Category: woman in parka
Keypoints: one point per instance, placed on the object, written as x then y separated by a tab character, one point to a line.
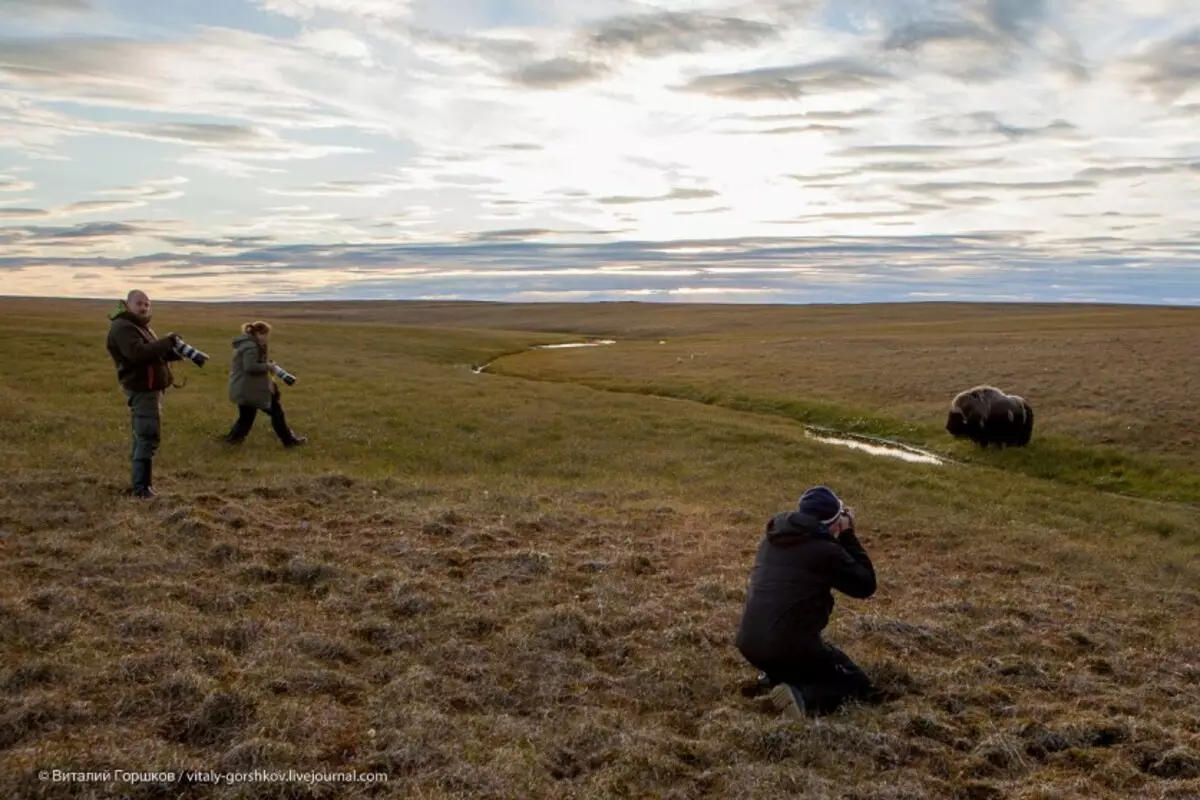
251	388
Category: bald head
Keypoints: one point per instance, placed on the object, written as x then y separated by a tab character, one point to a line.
138	302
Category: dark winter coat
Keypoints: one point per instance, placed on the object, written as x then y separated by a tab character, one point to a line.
140	357
790	600
250	381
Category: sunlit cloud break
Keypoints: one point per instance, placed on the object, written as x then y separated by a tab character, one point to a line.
670	150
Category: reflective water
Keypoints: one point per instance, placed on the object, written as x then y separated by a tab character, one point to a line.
903	452
593	343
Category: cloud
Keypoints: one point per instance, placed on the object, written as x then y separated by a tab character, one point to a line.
11	184
505	265
557	73
226	147
337	43
595	49
503	125
988	122
791	129
43	7
983	40
938	187
157	189
369	9
218	243
221	72
96	230
904	150
197	132
915	35
852	215
342	188
690	194
927	166
132	197
1172	67
96	206
668	32
773	83
814	116
1136	170
715	210
527	234
674	194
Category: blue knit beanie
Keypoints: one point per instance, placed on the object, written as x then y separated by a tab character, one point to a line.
822	503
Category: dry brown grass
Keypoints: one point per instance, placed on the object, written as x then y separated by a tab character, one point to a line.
537	597
578	645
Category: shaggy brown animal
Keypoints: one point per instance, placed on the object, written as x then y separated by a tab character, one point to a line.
986	415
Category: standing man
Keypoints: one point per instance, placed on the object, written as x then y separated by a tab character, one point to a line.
141	361
805	554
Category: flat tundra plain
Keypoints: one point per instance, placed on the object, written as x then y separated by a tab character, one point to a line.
525	582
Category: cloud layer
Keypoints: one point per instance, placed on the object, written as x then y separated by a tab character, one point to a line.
783	150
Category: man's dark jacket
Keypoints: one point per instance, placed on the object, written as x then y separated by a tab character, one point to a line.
140	357
790	599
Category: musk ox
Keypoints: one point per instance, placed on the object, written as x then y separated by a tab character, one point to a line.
988	416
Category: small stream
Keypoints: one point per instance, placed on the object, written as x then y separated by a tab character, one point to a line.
867	444
876	447
590	343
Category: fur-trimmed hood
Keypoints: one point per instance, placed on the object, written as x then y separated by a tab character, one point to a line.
122	312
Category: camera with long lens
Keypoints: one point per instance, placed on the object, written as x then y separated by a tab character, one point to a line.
283	374
185	350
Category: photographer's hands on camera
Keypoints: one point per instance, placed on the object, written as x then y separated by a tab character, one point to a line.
845	523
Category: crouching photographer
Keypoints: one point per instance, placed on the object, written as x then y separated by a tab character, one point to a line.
251	388
142	360
804	554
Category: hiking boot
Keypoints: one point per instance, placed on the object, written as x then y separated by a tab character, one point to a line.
789	700
143	479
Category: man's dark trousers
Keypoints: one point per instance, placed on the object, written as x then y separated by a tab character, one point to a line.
145	411
825	675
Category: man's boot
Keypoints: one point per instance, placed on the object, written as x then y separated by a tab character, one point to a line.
143	478
788	699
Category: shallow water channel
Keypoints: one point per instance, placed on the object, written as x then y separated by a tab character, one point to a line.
591	343
866	444
877	447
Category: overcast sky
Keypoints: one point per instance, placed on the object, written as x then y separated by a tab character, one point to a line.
757	151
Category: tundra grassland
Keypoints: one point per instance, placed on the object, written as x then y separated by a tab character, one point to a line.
523	583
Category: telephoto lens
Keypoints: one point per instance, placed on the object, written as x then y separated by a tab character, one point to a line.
283	374
197	357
